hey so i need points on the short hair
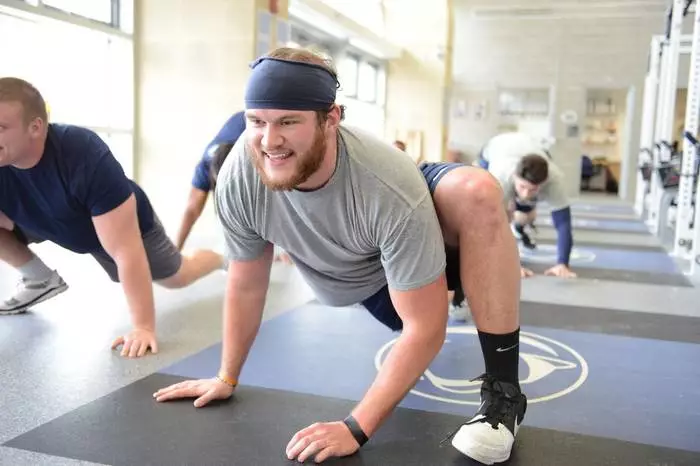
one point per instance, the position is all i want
(19, 90)
(399, 144)
(217, 161)
(303, 55)
(533, 168)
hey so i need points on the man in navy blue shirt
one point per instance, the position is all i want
(61, 183)
(205, 173)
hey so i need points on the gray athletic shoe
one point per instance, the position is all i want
(459, 313)
(30, 293)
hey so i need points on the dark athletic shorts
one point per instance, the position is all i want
(525, 207)
(163, 257)
(379, 304)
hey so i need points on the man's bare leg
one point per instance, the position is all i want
(39, 283)
(12, 250)
(520, 221)
(200, 263)
(470, 209)
(469, 204)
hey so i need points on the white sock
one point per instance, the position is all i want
(35, 270)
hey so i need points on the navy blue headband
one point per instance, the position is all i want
(289, 85)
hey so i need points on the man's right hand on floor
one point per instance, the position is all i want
(204, 391)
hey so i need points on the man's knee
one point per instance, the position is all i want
(525, 218)
(477, 190)
(532, 216)
(5, 222)
(171, 272)
(466, 197)
(176, 281)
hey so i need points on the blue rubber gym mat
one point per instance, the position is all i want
(610, 386)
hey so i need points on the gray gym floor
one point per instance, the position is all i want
(57, 359)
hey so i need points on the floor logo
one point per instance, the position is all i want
(547, 254)
(549, 369)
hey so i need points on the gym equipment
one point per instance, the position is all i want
(667, 181)
(659, 109)
(669, 177)
(688, 179)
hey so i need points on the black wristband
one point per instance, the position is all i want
(355, 430)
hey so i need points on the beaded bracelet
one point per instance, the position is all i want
(226, 379)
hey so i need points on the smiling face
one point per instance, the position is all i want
(289, 147)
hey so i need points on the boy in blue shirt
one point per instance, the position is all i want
(206, 171)
(205, 174)
(61, 183)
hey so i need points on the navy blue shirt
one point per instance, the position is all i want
(77, 178)
(229, 133)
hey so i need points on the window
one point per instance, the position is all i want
(100, 10)
(114, 13)
(367, 82)
(521, 102)
(85, 75)
(365, 106)
(126, 16)
(348, 75)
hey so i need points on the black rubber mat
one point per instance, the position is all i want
(128, 427)
(611, 322)
(616, 275)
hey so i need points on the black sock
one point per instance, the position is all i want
(519, 228)
(501, 355)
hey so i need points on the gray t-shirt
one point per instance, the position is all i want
(373, 223)
(503, 152)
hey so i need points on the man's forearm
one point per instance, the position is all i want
(562, 222)
(405, 363)
(564, 247)
(135, 277)
(242, 316)
(188, 220)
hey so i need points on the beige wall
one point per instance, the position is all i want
(473, 119)
(416, 82)
(414, 102)
(191, 68)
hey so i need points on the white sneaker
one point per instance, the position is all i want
(459, 313)
(489, 436)
(30, 293)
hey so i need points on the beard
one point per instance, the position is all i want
(306, 164)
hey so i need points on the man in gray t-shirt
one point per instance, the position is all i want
(528, 176)
(364, 225)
